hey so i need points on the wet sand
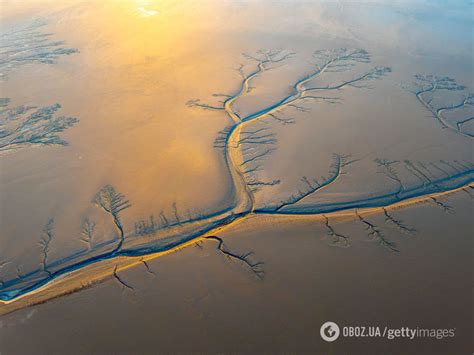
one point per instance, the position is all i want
(175, 129)
(199, 301)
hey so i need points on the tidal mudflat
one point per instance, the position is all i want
(234, 174)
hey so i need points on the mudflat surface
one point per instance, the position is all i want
(226, 177)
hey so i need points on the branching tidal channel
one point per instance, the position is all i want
(244, 147)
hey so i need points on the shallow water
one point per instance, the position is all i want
(128, 70)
